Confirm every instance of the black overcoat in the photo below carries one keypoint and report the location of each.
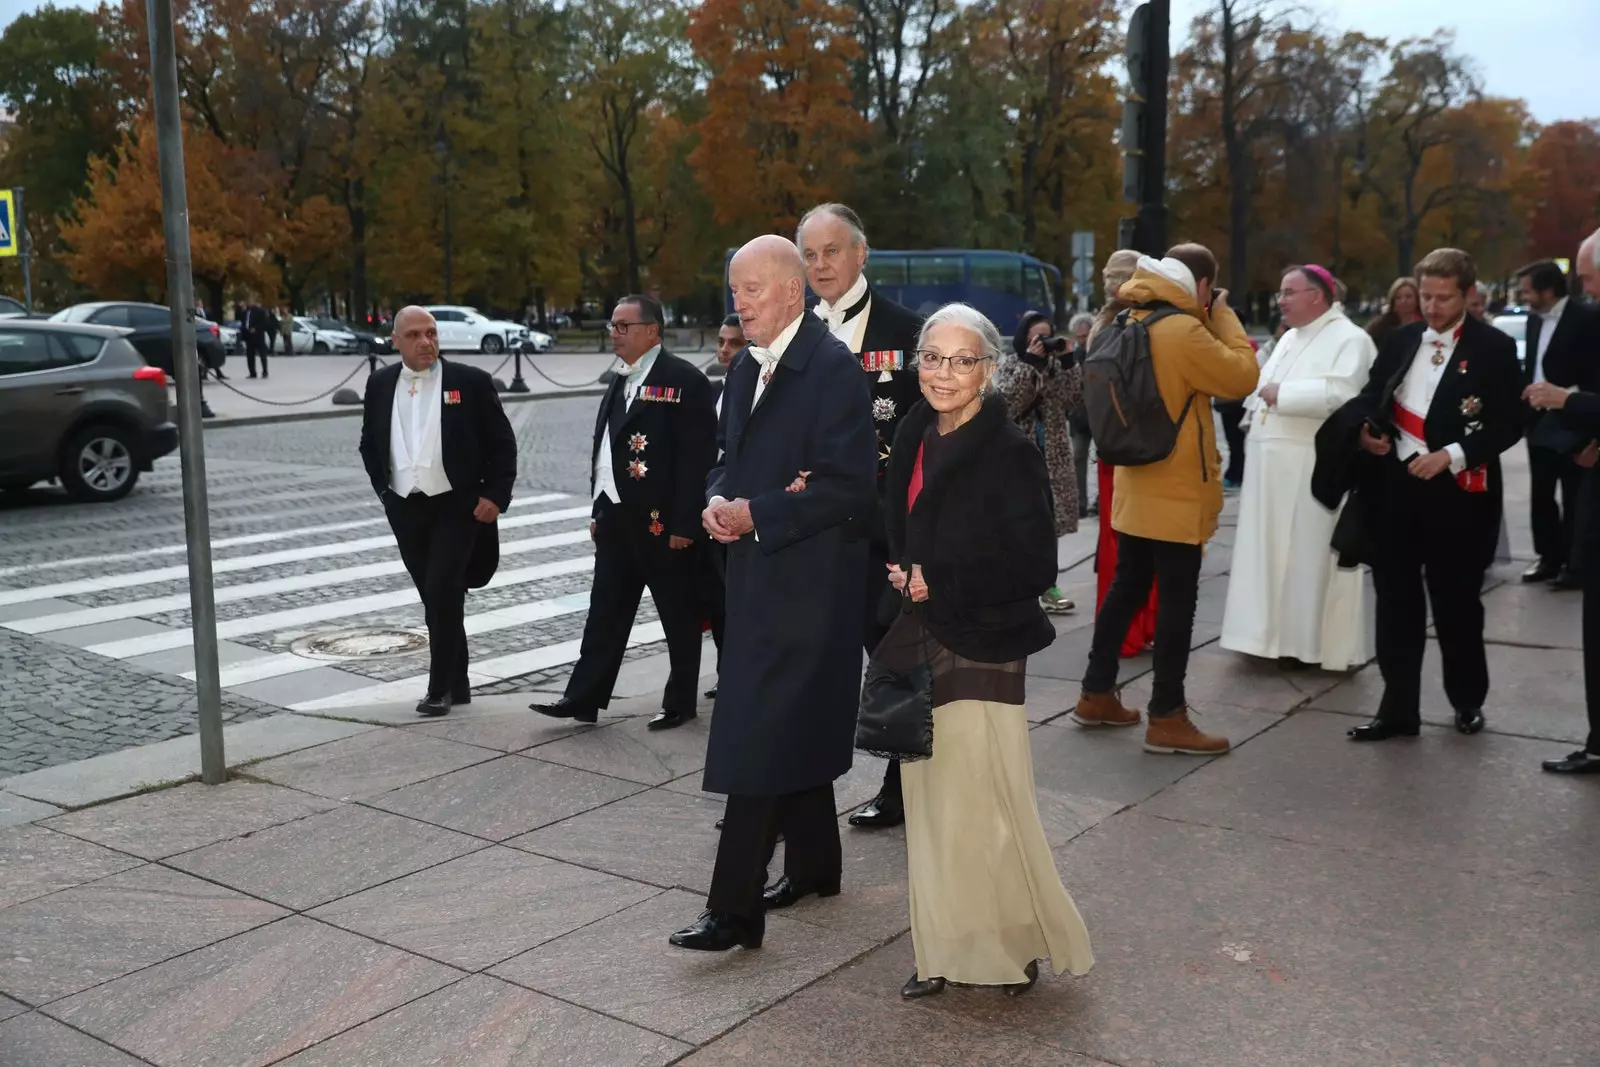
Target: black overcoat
(476, 441)
(790, 677)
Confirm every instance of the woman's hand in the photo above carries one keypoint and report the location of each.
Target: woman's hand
(897, 578)
(918, 587)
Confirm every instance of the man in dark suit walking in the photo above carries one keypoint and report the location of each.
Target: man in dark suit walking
(254, 328)
(789, 499)
(1560, 349)
(442, 457)
(1443, 401)
(654, 440)
(883, 337)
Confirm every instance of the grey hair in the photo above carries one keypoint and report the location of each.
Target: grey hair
(969, 318)
(1485, 290)
(1082, 318)
(852, 221)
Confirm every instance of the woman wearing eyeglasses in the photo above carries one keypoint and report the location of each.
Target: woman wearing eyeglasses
(1288, 599)
(972, 544)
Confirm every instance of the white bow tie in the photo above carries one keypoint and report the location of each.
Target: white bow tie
(628, 371)
(416, 375)
(764, 356)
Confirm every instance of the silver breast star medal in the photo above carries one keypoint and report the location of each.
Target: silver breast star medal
(637, 470)
(636, 443)
(883, 409)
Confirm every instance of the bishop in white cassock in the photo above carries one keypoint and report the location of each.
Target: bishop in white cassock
(1287, 598)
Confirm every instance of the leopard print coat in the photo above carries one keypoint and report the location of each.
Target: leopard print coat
(1038, 401)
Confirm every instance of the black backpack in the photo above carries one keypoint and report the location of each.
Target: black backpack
(1127, 417)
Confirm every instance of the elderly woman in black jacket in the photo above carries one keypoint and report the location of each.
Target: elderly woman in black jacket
(971, 530)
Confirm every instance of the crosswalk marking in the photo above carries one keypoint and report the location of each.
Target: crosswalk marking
(232, 542)
(300, 554)
(294, 618)
(227, 594)
(490, 670)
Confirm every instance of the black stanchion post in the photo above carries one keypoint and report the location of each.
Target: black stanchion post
(517, 384)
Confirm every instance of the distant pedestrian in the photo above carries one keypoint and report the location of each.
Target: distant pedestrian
(1081, 325)
(442, 458)
(1166, 511)
(1403, 308)
(1478, 302)
(271, 328)
(255, 338)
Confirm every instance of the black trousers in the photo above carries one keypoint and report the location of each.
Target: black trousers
(436, 535)
(1175, 568)
(1553, 524)
(1436, 545)
(627, 558)
(750, 829)
(255, 348)
(1232, 414)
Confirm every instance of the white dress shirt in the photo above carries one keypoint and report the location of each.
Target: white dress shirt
(416, 454)
(1421, 382)
(1547, 329)
(605, 481)
(851, 331)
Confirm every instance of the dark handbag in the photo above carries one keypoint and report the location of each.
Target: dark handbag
(895, 719)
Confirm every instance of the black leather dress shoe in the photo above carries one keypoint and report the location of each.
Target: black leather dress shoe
(879, 813)
(1378, 730)
(718, 931)
(711, 694)
(666, 720)
(916, 987)
(460, 695)
(1542, 571)
(1566, 579)
(1580, 762)
(786, 893)
(433, 706)
(1016, 989)
(1469, 721)
(566, 709)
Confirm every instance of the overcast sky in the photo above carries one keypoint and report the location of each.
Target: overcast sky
(1541, 52)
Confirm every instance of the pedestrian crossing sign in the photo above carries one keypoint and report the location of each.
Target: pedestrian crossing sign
(10, 241)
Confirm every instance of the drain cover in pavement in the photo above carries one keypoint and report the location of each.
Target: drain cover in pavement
(363, 643)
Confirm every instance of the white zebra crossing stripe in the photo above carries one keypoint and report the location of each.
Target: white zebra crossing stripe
(233, 542)
(228, 594)
(299, 554)
(294, 618)
(518, 663)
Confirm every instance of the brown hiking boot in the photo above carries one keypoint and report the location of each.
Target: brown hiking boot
(1176, 734)
(1103, 709)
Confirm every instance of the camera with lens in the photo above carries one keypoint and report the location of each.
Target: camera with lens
(1053, 346)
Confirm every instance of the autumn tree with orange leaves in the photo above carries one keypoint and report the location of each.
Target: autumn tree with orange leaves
(780, 131)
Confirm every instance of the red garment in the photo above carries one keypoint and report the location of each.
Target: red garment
(915, 487)
(1143, 631)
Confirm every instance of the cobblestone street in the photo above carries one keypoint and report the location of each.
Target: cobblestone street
(94, 608)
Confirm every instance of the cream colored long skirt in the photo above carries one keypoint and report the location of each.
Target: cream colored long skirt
(985, 896)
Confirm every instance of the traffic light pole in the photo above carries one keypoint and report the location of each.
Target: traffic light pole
(1150, 232)
(191, 447)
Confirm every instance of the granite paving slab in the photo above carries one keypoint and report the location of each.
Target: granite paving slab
(1533, 615)
(8, 1008)
(630, 749)
(80, 937)
(1217, 676)
(504, 731)
(872, 904)
(1110, 763)
(165, 823)
(623, 966)
(658, 837)
(480, 909)
(38, 1041)
(504, 797)
(369, 764)
(827, 1025)
(35, 861)
(1276, 953)
(327, 856)
(253, 999)
(16, 810)
(1065, 815)
(1533, 692)
(1049, 698)
(1476, 804)
(485, 1021)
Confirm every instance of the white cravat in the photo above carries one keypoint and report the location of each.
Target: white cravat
(1422, 380)
(605, 480)
(841, 323)
(1547, 328)
(415, 448)
(769, 358)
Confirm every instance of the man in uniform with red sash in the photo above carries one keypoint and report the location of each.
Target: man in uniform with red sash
(883, 336)
(1441, 405)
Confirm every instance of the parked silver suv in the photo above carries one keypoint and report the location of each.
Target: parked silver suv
(78, 403)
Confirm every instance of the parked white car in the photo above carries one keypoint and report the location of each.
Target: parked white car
(1517, 327)
(307, 338)
(542, 342)
(465, 329)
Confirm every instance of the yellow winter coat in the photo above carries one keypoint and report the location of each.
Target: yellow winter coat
(1198, 354)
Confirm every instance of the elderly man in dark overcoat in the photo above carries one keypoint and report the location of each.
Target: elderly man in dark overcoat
(790, 500)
